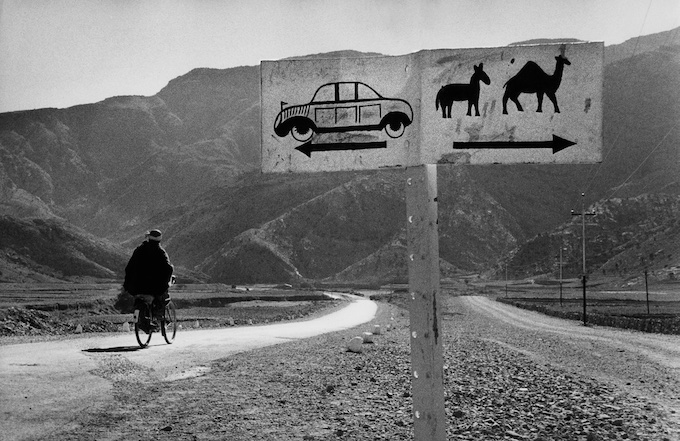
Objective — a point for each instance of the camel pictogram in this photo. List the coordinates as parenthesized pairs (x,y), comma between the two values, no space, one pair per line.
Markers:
(462,92)
(532,79)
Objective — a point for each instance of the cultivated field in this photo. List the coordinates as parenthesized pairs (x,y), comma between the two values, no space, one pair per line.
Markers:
(48,309)
(59,308)
(651,307)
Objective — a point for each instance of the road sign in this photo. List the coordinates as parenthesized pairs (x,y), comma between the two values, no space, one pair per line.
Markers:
(340,114)
(514,104)
(539,104)
(542,104)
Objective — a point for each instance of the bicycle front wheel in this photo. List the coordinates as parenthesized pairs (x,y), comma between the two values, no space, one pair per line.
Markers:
(169,325)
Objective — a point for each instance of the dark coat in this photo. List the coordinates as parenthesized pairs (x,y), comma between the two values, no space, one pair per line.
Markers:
(149,270)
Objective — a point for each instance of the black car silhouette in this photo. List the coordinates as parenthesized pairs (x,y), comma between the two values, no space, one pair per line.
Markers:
(343,107)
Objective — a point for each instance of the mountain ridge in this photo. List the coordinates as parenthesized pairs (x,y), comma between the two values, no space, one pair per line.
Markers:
(186,160)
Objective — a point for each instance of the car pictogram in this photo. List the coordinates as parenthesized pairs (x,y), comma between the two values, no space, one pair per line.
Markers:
(343,107)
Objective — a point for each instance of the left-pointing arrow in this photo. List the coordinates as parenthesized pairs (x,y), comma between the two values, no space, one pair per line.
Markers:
(307,148)
(557,144)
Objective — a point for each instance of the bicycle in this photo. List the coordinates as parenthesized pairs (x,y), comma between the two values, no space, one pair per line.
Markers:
(144,307)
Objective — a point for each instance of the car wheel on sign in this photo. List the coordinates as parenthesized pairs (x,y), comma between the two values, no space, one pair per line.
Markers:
(302,132)
(395,128)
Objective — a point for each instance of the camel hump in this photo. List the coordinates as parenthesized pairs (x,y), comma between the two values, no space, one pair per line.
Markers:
(530,68)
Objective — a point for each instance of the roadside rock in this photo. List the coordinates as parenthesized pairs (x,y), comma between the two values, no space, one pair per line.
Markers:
(354,344)
(21,321)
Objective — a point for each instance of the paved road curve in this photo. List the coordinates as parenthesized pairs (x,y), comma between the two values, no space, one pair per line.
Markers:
(42,384)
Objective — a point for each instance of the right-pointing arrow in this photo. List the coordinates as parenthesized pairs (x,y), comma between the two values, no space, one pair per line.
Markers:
(557,144)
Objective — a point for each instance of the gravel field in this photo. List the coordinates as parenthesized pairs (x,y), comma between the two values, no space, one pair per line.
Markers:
(509,375)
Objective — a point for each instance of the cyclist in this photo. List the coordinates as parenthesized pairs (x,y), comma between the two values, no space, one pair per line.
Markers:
(149,271)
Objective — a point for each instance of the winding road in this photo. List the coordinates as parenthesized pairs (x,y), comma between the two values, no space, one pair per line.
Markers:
(44,384)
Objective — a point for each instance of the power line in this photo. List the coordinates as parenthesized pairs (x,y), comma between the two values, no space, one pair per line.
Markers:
(583,215)
(643,161)
(597,171)
(637,41)
(614,145)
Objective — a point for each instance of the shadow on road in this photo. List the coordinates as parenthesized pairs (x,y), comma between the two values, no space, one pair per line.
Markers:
(114,349)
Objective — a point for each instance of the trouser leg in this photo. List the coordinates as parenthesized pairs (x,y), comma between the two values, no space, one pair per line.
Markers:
(159,304)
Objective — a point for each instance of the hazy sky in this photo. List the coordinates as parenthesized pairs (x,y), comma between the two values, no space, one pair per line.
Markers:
(59,53)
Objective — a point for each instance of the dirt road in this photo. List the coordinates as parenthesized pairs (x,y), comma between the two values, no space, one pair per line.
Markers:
(644,364)
(44,384)
(510,374)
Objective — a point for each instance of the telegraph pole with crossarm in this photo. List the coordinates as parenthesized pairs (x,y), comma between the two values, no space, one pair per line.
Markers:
(583,215)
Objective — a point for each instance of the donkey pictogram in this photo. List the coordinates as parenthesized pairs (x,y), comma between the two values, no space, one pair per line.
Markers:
(532,79)
(462,92)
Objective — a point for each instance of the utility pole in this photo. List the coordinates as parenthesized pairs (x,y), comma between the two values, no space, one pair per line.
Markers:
(647,290)
(583,215)
(561,249)
(506,280)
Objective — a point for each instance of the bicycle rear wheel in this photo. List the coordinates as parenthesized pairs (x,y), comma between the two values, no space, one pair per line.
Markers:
(142,337)
(169,324)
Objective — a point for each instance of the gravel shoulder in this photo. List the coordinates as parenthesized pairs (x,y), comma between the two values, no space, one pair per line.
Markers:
(509,374)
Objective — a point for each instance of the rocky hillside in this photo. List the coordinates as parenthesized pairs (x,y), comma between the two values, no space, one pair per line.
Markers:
(637,185)
(357,228)
(44,250)
(624,238)
(108,167)
(186,160)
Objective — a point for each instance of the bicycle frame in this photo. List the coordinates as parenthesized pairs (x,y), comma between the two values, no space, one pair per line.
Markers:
(144,313)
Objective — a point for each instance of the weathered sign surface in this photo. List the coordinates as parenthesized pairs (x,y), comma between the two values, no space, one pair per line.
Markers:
(515,104)
(339,114)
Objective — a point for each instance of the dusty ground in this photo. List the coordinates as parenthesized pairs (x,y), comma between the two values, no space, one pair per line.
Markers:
(48,382)
(509,374)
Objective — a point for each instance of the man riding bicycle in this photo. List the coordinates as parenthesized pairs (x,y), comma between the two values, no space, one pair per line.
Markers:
(149,271)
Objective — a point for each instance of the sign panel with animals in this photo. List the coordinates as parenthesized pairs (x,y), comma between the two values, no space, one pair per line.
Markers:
(515,104)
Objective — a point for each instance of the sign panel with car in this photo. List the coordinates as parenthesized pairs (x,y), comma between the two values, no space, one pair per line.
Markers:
(324,115)
(514,104)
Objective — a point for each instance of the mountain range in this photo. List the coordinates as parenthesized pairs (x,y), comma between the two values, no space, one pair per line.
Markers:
(80,185)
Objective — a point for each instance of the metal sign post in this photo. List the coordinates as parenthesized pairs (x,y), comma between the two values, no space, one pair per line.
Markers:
(425,308)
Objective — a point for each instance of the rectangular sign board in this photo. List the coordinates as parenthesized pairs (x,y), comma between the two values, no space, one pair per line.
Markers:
(514,104)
